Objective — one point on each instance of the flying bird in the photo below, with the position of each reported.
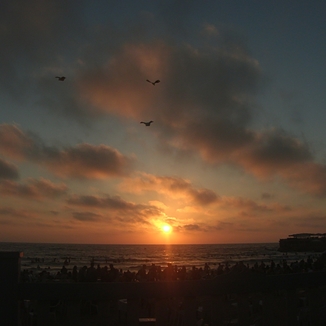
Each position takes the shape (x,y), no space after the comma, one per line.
(147,124)
(62,78)
(153,83)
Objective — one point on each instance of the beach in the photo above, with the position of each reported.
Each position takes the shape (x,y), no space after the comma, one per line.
(295,307)
(231,292)
(239,296)
(39,256)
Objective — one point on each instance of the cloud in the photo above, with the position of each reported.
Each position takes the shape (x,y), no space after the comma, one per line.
(171,186)
(316,221)
(14,142)
(125,72)
(267,195)
(245,204)
(211,29)
(12,213)
(84,161)
(192,227)
(34,188)
(309,177)
(273,152)
(86,216)
(235,214)
(120,209)
(205,104)
(24,219)
(8,170)
(193,80)
(30,34)
(89,161)
(203,196)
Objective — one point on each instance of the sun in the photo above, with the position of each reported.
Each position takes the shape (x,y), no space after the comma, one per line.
(166,228)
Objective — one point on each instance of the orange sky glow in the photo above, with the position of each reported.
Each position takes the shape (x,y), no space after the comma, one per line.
(235,152)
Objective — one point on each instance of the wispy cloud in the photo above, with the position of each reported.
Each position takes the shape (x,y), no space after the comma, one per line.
(13,213)
(171,186)
(14,142)
(117,208)
(86,216)
(8,170)
(192,227)
(33,188)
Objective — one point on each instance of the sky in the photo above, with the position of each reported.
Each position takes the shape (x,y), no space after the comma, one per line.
(236,151)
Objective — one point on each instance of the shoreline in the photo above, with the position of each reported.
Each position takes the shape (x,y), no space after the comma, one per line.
(241,295)
(286,302)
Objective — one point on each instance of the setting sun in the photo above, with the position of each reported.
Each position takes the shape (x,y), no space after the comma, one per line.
(166,228)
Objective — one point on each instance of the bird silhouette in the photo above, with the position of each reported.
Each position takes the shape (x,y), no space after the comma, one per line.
(147,124)
(62,78)
(153,83)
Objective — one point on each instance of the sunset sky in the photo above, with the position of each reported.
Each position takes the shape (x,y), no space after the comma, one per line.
(236,152)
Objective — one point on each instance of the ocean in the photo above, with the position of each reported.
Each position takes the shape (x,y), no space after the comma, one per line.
(52,257)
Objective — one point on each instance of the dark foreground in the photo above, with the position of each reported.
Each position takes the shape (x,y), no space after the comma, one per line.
(230,299)
(238,298)
(291,307)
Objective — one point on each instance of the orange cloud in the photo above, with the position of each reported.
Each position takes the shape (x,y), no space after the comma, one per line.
(171,186)
(120,86)
(204,105)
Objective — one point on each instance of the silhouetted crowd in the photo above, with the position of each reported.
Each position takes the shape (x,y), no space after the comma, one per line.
(171,272)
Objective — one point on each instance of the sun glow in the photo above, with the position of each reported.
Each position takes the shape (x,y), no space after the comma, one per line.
(166,228)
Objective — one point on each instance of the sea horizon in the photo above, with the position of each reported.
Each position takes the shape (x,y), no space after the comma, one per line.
(52,256)
(143,244)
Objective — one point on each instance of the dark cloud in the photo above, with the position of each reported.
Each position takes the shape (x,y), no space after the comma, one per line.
(34,36)
(118,208)
(8,170)
(89,161)
(192,227)
(174,16)
(6,222)
(86,216)
(115,202)
(36,189)
(247,206)
(266,195)
(10,212)
(14,142)
(204,196)
(82,161)
(277,150)
(55,213)
(309,177)
(311,222)
(205,103)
